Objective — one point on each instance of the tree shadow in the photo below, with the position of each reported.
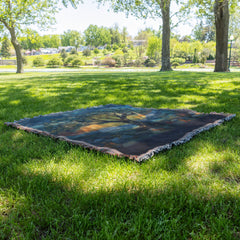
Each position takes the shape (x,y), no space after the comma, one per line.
(51,209)
(162,198)
(71,91)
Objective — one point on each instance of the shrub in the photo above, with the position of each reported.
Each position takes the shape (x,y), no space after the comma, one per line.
(73,61)
(97,62)
(38,62)
(74,51)
(203,59)
(115,46)
(86,52)
(180,54)
(105,52)
(150,62)
(68,60)
(125,50)
(175,64)
(54,62)
(76,62)
(119,60)
(63,54)
(24,60)
(195,56)
(96,50)
(211,57)
(178,60)
(109,48)
(118,52)
(126,59)
(154,48)
(109,61)
(131,46)
(138,62)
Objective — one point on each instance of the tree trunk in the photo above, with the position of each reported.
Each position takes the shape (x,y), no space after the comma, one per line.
(221,12)
(165,8)
(17,48)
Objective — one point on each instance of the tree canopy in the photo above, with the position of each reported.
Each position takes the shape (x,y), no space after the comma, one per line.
(97,36)
(17,15)
(22,13)
(71,38)
(5,49)
(145,9)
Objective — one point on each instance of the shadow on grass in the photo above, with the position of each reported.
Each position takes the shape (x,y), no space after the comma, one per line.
(70,91)
(32,95)
(110,198)
(49,207)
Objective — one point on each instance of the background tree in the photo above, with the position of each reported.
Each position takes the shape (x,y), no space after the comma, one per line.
(63,54)
(31,41)
(144,34)
(220,10)
(72,38)
(115,35)
(234,26)
(205,32)
(97,36)
(144,9)
(124,35)
(16,15)
(186,38)
(221,13)
(5,49)
(51,41)
(154,48)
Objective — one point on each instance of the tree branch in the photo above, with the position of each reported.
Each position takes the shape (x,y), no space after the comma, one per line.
(5,23)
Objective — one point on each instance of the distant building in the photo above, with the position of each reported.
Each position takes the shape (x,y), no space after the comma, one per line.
(82,48)
(33,52)
(67,48)
(137,43)
(48,50)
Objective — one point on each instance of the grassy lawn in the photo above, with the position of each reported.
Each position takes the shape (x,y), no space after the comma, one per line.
(52,190)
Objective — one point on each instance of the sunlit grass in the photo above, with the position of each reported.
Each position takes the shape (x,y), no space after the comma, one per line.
(52,190)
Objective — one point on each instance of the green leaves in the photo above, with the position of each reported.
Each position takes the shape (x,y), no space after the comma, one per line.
(21,13)
(97,36)
(74,3)
(71,38)
(5,49)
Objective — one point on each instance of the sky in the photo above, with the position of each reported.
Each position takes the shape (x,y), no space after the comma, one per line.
(88,13)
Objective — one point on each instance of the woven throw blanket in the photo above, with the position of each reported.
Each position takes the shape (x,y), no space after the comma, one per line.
(122,130)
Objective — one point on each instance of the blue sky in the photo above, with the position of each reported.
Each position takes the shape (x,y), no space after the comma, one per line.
(89,13)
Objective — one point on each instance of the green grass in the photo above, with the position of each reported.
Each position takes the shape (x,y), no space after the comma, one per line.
(52,190)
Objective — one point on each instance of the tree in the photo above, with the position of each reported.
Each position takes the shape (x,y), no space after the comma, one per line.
(144,9)
(15,15)
(165,9)
(115,35)
(124,35)
(154,48)
(72,38)
(51,41)
(97,36)
(221,10)
(31,41)
(144,35)
(234,25)
(5,50)
(63,54)
(205,32)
